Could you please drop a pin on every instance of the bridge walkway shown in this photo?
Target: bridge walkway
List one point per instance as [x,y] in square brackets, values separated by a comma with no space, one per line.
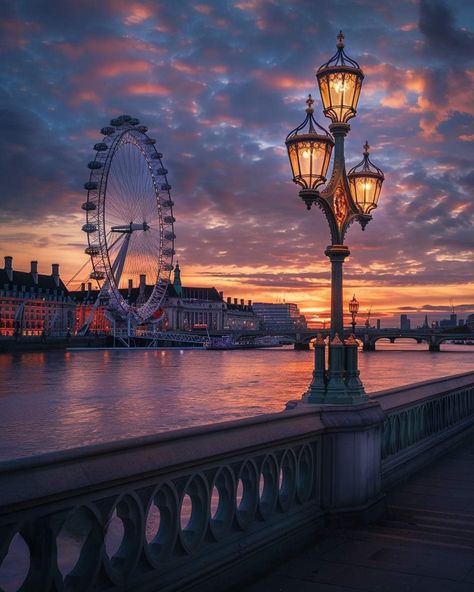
[424,543]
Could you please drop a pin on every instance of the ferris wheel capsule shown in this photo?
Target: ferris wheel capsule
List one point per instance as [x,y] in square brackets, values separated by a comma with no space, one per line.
[97,275]
[92,250]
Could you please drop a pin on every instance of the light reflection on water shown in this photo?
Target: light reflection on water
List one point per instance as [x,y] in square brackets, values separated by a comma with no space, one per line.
[56,400]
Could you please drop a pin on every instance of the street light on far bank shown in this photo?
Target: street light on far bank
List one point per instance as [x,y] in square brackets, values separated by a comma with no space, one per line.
[346,198]
[353,309]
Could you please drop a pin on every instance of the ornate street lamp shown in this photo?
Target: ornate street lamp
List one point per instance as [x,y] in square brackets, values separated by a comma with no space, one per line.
[353,309]
[346,198]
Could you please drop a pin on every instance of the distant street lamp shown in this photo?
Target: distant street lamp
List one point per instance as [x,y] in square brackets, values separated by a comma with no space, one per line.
[353,309]
[345,199]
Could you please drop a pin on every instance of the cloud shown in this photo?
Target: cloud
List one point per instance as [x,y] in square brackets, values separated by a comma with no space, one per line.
[220,84]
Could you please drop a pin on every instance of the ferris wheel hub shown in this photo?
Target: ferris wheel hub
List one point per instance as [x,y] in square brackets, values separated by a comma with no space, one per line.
[129,228]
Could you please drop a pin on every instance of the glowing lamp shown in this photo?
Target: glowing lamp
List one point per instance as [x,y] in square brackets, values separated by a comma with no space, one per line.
[354,306]
[309,150]
[365,180]
[340,81]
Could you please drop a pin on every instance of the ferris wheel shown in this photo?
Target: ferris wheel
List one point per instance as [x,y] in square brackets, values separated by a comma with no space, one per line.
[129,220]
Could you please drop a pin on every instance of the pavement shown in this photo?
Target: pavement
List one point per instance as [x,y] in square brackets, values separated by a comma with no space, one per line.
[424,543]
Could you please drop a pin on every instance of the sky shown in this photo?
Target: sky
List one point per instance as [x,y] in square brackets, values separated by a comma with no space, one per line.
[220,84]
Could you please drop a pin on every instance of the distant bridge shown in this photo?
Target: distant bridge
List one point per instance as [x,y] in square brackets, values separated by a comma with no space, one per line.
[301,339]
[369,337]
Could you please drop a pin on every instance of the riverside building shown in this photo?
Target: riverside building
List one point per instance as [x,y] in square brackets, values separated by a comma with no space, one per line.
[278,316]
[34,304]
[184,308]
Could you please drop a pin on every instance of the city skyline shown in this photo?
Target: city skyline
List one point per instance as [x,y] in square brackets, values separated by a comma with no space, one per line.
[220,86]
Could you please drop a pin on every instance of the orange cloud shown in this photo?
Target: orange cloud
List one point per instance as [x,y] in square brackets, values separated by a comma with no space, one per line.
[139,13]
[408,27]
[148,89]
[284,81]
[394,100]
[110,70]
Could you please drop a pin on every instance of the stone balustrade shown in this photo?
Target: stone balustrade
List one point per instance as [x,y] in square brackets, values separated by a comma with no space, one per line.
[168,511]
[202,508]
[422,420]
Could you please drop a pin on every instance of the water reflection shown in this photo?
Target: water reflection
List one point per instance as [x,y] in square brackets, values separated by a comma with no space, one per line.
[58,400]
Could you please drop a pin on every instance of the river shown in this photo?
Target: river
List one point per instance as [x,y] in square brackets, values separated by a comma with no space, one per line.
[56,400]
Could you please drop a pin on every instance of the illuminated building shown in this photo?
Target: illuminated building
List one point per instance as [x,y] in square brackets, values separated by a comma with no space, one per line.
[240,316]
[33,303]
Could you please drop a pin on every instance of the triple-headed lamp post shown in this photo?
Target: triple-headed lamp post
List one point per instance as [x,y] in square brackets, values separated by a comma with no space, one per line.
[346,198]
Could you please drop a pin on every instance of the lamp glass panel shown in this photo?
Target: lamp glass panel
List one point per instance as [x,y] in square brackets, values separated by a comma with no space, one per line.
[306,160]
[293,154]
[366,191]
[340,93]
[324,90]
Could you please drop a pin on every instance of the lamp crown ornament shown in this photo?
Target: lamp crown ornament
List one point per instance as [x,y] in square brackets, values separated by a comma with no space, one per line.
[340,40]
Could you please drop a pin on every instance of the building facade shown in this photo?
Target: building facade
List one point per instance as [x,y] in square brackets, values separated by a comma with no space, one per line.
[279,316]
[34,304]
[240,316]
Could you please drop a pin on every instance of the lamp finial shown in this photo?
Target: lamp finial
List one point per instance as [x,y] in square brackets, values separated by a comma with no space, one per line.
[309,102]
[340,40]
[366,148]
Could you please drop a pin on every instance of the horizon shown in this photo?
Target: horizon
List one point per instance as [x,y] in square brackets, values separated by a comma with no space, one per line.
[219,90]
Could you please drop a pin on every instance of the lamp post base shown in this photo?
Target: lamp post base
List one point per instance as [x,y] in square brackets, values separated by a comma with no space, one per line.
[339,384]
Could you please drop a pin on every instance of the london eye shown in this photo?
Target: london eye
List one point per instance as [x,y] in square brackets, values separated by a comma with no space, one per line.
[129,220]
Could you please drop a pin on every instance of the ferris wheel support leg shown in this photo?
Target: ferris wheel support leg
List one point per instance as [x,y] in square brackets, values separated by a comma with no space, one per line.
[117,267]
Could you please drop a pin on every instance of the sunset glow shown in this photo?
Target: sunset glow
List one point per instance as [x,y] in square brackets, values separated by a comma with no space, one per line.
[220,85]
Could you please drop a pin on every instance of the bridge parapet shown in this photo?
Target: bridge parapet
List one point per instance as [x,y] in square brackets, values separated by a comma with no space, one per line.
[194,505]
[421,420]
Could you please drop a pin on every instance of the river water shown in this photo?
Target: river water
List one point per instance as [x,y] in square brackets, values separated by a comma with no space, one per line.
[56,400]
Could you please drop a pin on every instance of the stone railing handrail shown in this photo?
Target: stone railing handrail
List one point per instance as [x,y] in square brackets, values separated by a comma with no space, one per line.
[422,420]
[21,480]
[410,394]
